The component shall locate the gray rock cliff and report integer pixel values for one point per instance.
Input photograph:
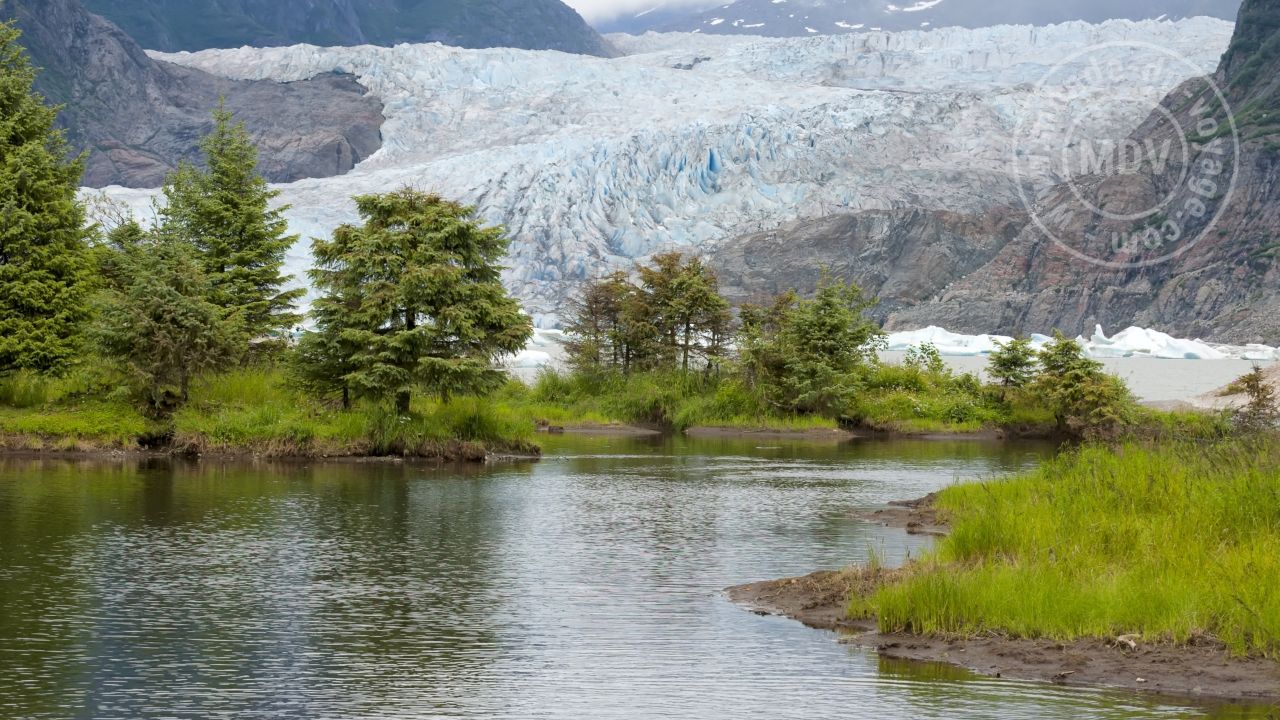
(137, 117)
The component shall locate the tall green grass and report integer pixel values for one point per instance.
(673, 400)
(1172, 543)
(255, 408)
(251, 410)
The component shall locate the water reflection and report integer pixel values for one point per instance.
(586, 585)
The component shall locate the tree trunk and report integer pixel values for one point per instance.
(684, 363)
(346, 398)
(402, 397)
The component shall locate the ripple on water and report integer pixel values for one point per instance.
(587, 585)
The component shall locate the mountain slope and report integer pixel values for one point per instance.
(173, 25)
(798, 18)
(592, 164)
(1217, 276)
(138, 117)
(898, 256)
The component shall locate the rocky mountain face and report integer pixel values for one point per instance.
(174, 25)
(138, 117)
(1190, 246)
(898, 256)
(799, 18)
(690, 140)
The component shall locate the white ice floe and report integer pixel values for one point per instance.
(1131, 342)
(593, 164)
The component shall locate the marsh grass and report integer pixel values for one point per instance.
(257, 409)
(252, 411)
(1172, 542)
(671, 400)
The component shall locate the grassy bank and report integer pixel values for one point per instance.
(1171, 543)
(251, 411)
(257, 411)
(894, 399)
(669, 400)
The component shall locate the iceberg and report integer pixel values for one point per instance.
(947, 343)
(1128, 343)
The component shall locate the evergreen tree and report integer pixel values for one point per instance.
(759, 353)
(686, 309)
(224, 211)
(159, 324)
(427, 305)
(809, 360)
(44, 257)
(1261, 410)
(595, 333)
(1013, 364)
(113, 255)
(325, 356)
(1086, 401)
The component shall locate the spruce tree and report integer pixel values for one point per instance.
(325, 355)
(1086, 401)
(806, 355)
(156, 321)
(823, 343)
(1013, 364)
(224, 211)
(420, 288)
(685, 306)
(43, 250)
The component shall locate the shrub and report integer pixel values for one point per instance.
(1261, 410)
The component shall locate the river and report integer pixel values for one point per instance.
(586, 585)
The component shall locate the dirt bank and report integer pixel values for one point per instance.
(196, 447)
(1202, 669)
(917, 517)
(770, 434)
(599, 430)
(1230, 397)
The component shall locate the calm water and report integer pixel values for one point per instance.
(583, 586)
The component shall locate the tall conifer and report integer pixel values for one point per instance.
(44, 257)
(224, 211)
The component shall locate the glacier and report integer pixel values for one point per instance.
(687, 140)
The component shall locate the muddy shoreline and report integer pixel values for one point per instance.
(449, 454)
(1202, 670)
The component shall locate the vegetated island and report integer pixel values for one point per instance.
(1146, 565)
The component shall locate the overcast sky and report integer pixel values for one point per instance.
(595, 10)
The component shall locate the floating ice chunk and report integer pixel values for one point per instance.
(947, 343)
(1131, 342)
(530, 359)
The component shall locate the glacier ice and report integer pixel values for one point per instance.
(592, 163)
